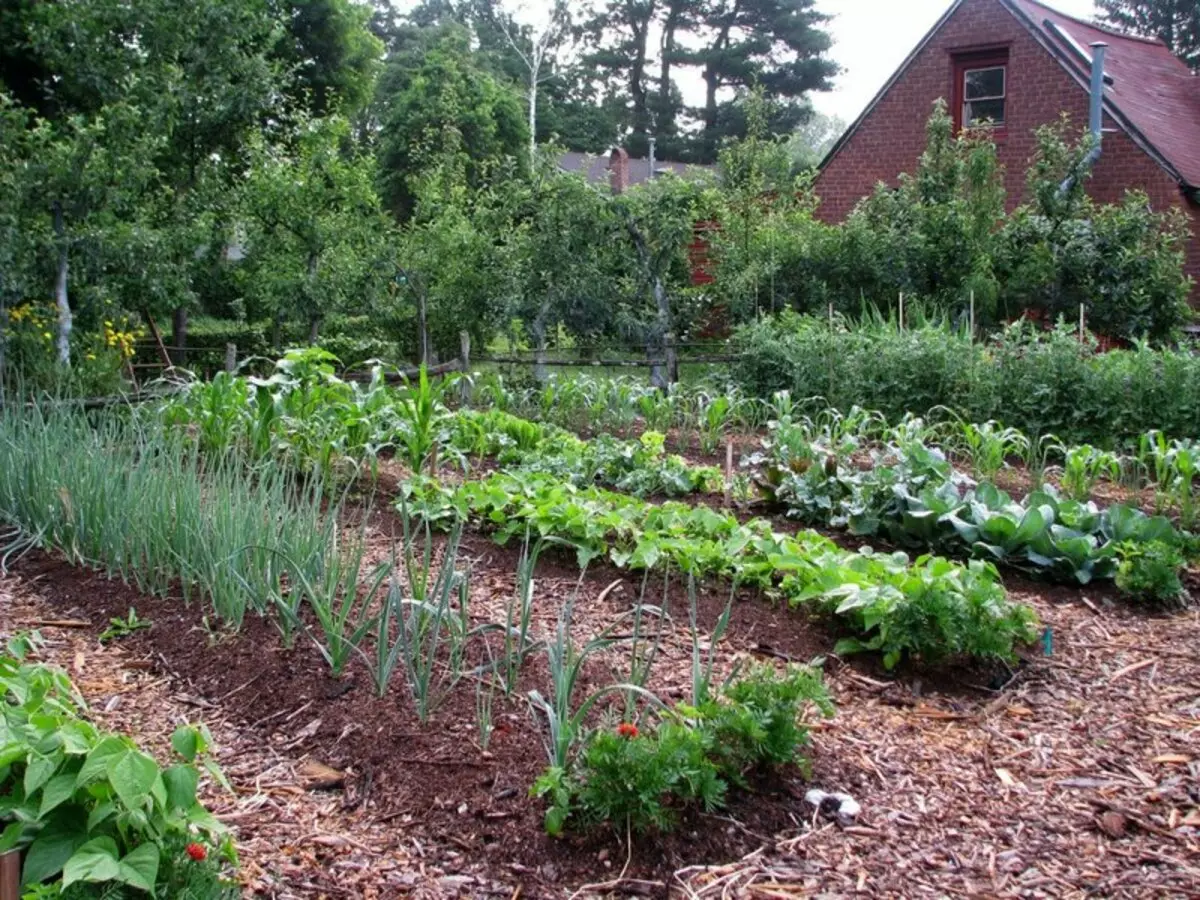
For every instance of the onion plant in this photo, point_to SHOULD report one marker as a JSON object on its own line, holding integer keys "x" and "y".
{"x": 564, "y": 718}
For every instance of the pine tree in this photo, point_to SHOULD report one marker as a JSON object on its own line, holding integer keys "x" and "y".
{"x": 1175, "y": 22}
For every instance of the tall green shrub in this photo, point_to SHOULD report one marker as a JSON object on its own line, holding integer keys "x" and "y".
{"x": 1038, "y": 381}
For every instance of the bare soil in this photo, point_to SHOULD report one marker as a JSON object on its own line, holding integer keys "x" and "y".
{"x": 1074, "y": 774}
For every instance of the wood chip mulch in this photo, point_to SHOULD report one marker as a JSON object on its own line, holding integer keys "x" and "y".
{"x": 1080, "y": 777}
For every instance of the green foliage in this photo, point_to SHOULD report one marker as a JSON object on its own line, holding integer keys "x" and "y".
{"x": 642, "y": 780}
{"x": 1149, "y": 573}
{"x": 1038, "y": 382}
{"x": 440, "y": 103}
{"x": 913, "y": 495}
{"x": 119, "y": 628}
{"x": 951, "y": 610}
{"x": 941, "y": 238}
{"x": 1174, "y": 22}
{"x": 208, "y": 527}
{"x": 89, "y": 807}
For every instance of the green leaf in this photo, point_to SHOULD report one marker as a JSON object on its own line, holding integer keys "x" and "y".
{"x": 54, "y": 845}
{"x": 97, "y": 764}
{"x": 186, "y": 742}
{"x": 139, "y": 867}
{"x": 58, "y": 790}
{"x": 11, "y": 836}
{"x": 95, "y": 861}
{"x": 133, "y": 775}
{"x": 38, "y": 772}
{"x": 181, "y": 782}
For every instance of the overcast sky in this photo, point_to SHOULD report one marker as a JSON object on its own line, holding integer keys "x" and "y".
{"x": 873, "y": 37}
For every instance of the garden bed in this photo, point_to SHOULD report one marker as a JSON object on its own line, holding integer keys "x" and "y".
{"x": 1079, "y": 776}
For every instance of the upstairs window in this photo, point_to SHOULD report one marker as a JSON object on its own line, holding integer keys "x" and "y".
{"x": 981, "y": 90}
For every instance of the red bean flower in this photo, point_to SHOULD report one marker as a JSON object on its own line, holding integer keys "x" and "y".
{"x": 197, "y": 852}
{"x": 627, "y": 730}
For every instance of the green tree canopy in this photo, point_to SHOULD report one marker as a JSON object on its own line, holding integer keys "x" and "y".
{"x": 433, "y": 100}
{"x": 1175, "y": 22}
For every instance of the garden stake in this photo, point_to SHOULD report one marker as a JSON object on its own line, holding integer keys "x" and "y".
{"x": 10, "y": 875}
{"x": 728, "y": 470}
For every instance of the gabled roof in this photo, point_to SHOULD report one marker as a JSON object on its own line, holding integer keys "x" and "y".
{"x": 595, "y": 168}
{"x": 1150, "y": 92}
{"x": 1153, "y": 94}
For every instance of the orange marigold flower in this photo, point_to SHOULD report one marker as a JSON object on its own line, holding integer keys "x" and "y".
{"x": 627, "y": 730}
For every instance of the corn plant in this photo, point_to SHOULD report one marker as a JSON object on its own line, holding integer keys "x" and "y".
{"x": 714, "y": 419}
{"x": 422, "y": 416}
{"x": 1185, "y": 463}
{"x": 1038, "y": 455}
{"x": 987, "y": 446}
{"x": 1082, "y": 469}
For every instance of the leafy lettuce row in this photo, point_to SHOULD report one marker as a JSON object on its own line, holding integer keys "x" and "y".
{"x": 640, "y": 466}
{"x": 927, "y": 610}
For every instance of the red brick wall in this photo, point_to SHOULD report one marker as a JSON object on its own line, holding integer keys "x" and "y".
{"x": 892, "y": 136}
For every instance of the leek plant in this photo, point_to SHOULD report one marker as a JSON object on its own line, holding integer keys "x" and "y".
{"x": 140, "y": 503}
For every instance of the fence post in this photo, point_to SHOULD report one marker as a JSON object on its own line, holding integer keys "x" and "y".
{"x": 902, "y": 312}
{"x": 231, "y": 358}
{"x": 1081, "y": 322}
{"x": 464, "y": 341}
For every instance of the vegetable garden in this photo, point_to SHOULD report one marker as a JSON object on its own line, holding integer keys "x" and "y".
{"x": 588, "y": 638}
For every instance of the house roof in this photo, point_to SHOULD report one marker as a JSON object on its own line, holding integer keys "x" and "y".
{"x": 1150, "y": 93}
{"x": 1153, "y": 94}
{"x": 596, "y": 167}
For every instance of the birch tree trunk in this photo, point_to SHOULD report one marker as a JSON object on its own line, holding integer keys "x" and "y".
{"x": 60, "y": 289}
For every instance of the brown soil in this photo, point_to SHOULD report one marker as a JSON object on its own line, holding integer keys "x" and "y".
{"x": 431, "y": 779}
{"x": 1063, "y": 776}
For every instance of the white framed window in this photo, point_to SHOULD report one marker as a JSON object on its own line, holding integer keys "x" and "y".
{"x": 984, "y": 95}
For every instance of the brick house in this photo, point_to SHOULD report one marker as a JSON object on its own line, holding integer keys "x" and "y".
{"x": 1021, "y": 64}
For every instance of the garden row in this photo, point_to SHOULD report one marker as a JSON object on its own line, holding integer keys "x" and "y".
{"x": 262, "y": 540}
{"x": 312, "y": 420}
{"x": 911, "y": 494}
{"x": 1041, "y": 382}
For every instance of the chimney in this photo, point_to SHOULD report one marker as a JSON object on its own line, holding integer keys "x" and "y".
{"x": 618, "y": 170}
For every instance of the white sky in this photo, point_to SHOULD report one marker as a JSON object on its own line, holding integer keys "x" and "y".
{"x": 873, "y": 37}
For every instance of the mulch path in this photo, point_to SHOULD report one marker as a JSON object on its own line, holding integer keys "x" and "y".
{"x": 1080, "y": 777}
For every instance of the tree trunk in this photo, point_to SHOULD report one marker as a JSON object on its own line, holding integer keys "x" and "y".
{"x": 277, "y": 333}
{"x": 60, "y": 289}
{"x": 314, "y": 329}
{"x": 422, "y": 330}
{"x": 533, "y": 92}
{"x": 665, "y": 126}
{"x": 539, "y": 360}
{"x": 637, "y": 78}
{"x": 663, "y": 376}
{"x": 179, "y": 328}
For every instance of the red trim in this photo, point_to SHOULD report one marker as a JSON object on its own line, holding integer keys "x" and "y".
{"x": 963, "y": 62}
